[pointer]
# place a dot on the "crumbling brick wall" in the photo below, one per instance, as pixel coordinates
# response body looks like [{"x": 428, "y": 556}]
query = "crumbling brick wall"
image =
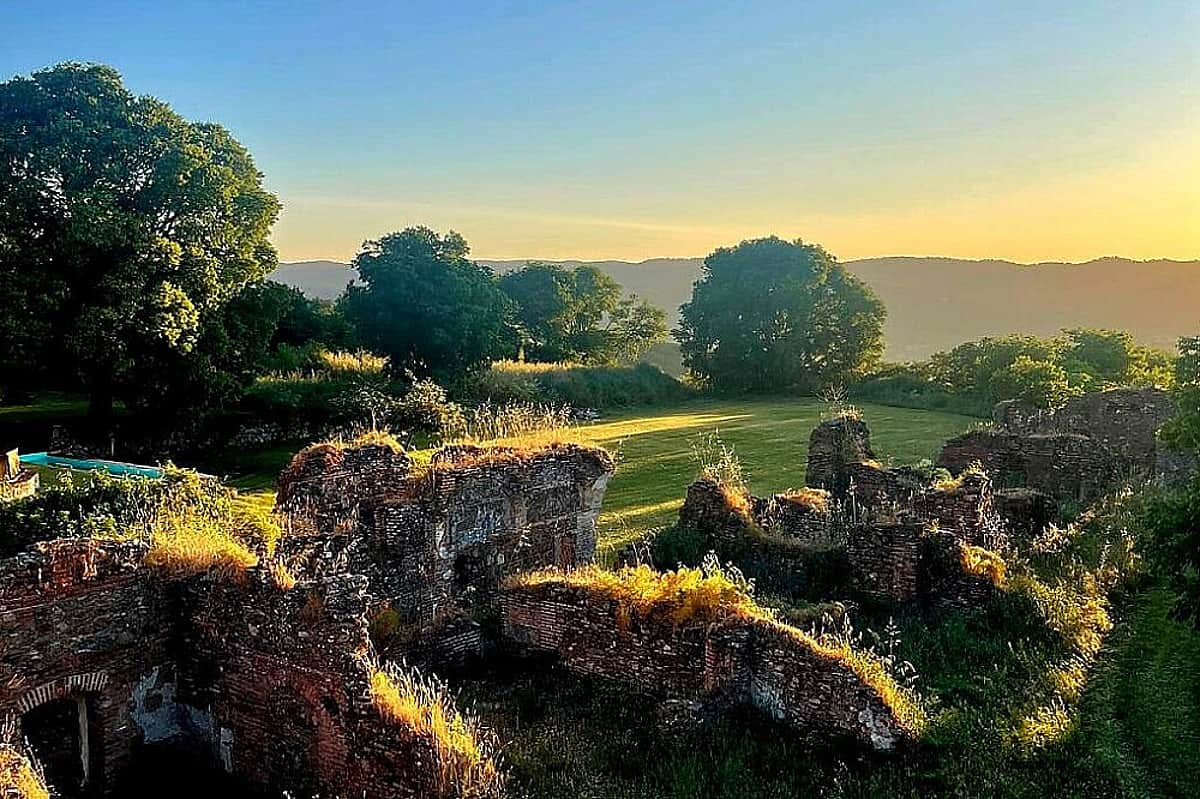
[
  {"x": 444, "y": 538},
  {"x": 1123, "y": 420},
  {"x": 1026, "y": 512},
  {"x": 735, "y": 661},
  {"x": 833, "y": 445},
  {"x": 323, "y": 487},
  {"x": 1066, "y": 466},
  {"x": 884, "y": 559},
  {"x": 283, "y": 676},
  {"x": 79, "y": 618},
  {"x": 1073, "y": 453}
]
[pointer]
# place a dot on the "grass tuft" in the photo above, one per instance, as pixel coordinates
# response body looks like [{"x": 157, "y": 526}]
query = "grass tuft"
[
  {"x": 465, "y": 752},
  {"x": 18, "y": 779},
  {"x": 982, "y": 563}
]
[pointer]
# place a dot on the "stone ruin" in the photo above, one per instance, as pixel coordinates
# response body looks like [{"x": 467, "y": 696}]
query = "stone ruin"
[
  {"x": 436, "y": 542},
  {"x": 736, "y": 660},
  {"x": 1074, "y": 453},
  {"x": 102, "y": 656},
  {"x": 902, "y": 535}
]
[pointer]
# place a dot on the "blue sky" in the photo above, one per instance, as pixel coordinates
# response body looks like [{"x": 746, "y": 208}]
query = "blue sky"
[{"x": 1027, "y": 130}]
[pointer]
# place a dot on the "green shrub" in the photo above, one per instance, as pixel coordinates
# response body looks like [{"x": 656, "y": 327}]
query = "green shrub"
[{"x": 579, "y": 386}]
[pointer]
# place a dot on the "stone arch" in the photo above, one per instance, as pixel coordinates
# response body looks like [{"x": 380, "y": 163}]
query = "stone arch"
[{"x": 60, "y": 720}]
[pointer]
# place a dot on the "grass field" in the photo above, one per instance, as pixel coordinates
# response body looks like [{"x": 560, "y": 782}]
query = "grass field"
[
  {"x": 770, "y": 437},
  {"x": 654, "y": 448}
]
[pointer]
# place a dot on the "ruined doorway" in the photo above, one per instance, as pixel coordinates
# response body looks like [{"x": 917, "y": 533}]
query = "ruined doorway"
[{"x": 58, "y": 735}]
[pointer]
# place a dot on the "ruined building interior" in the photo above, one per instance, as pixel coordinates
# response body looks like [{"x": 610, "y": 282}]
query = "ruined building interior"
[{"x": 101, "y": 657}]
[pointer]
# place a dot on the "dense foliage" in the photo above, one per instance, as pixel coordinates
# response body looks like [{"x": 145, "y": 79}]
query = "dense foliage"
[
  {"x": 125, "y": 234},
  {"x": 576, "y": 385},
  {"x": 315, "y": 391},
  {"x": 770, "y": 314},
  {"x": 579, "y": 314},
  {"x": 88, "y": 504},
  {"x": 1044, "y": 372},
  {"x": 1183, "y": 432},
  {"x": 426, "y": 306}
]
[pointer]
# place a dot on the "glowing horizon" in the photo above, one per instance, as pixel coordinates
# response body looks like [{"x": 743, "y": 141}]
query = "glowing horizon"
[{"x": 629, "y": 131}]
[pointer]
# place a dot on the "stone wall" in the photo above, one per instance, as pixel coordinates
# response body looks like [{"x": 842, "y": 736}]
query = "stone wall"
[
  {"x": 322, "y": 489},
  {"x": 1026, "y": 512},
  {"x": 1066, "y": 466},
  {"x": 273, "y": 682},
  {"x": 833, "y": 445},
  {"x": 283, "y": 676},
  {"x": 736, "y": 661},
  {"x": 1123, "y": 420},
  {"x": 884, "y": 559},
  {"x": 444, "y": 538},
  {"x": 1074, "y": 453},
  {"x": 80, "y": 620}
]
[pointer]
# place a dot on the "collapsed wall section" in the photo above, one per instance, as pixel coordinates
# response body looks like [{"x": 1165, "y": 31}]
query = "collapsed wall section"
[{"x": 734, "y": 660}]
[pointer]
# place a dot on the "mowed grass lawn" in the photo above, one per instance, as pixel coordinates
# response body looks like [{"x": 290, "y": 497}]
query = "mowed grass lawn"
[
  {"x": 656, "y": 459},
  {"x": 655, "y": 450}
]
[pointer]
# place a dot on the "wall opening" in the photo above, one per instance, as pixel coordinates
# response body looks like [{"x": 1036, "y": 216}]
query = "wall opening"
[{"x": 61, "y": 734}]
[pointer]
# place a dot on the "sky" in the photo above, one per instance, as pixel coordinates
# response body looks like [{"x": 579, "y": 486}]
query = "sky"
[{"x": 1029, "y": 131}]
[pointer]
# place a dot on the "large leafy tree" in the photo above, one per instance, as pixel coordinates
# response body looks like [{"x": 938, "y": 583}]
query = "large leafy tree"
[
  {"x": 561, "y": 313},
  {"x": 772, "y": 314},
  {"x": 125, "y": 232},
  {"x": 426, "y": 306},
  {"x": 634, "y": 327}
]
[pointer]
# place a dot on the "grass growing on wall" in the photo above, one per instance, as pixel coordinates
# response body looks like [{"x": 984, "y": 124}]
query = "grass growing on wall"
[
  {"x": 708, "y": 595},
  {"x": 465, "y": 752},
  {"x": 18, "y": 780}
]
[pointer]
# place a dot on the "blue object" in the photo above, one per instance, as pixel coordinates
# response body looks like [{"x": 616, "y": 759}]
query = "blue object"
[{"x": 89, "y": 465}]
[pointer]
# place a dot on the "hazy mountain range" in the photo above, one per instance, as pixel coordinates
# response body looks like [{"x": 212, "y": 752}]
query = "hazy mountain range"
[{"x": 933, "y": 303}]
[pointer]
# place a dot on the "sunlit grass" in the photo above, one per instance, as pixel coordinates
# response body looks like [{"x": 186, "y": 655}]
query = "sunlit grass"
[
  {"x": 18, "y": 780},
  {"x": 655, "y": 458},
  {"x": 464, "y": 752}
]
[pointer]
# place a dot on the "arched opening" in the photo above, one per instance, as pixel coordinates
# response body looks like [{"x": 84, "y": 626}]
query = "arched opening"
[{"x": 62, "y": 735}]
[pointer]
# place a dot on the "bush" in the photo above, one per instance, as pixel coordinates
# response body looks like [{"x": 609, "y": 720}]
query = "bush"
[
  {"x": 1169, "y": 519},
  {"x": 599, "y": 387},
  {"x": 349, "y": 390},
  {"x": 81, "y": 505},
  {"x": 974, "y": 376}
]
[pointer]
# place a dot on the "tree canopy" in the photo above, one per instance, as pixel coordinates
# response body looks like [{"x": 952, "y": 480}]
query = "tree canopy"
[
  {"x": 426, "y": 306},
  {"x": 771, "y": 314},
  {"x": 125, "y": 232},
  {"x": 579, "y": 314}
]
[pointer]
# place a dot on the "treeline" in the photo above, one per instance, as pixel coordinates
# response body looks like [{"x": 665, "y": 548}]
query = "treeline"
[
  {"x": 1044, "y": 372},
  {"x": 134, "y": 252},
  {"x": 133, "y": 259}
]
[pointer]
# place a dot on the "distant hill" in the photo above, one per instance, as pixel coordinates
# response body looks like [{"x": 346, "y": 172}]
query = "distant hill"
[{"x": 935, "y": 303}]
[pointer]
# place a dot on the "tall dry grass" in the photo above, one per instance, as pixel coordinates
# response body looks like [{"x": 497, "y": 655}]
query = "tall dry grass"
[{"x": 465, "y": 752}]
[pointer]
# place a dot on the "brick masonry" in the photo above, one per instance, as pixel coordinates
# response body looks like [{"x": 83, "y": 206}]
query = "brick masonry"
[
  {"x": 735, "y": 661},
  {"x": 1074, "y": 453}
]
